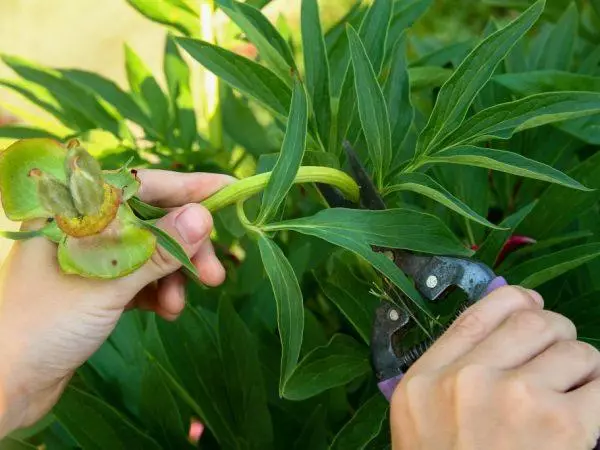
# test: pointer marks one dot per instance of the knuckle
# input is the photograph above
(470, 326)
(519, 296)
(532, 321)
(581, 350)
(471, 377)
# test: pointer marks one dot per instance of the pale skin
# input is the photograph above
(506, 375)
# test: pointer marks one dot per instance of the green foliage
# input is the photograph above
(476, 137)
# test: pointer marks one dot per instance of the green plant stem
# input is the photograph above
(244, 219)
(248, 187)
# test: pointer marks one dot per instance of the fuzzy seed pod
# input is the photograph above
(85, 181)
(54, 195)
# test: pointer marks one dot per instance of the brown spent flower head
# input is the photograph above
(54, 195)
(85, 181)
(88, 225)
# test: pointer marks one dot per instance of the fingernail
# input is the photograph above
(191, 224)
(537, 297)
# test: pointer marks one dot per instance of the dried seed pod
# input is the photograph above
(54, 195)
(85, 181)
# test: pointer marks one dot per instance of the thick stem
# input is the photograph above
(248, 187)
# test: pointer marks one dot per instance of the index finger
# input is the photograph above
(475, 324)
(169, 189)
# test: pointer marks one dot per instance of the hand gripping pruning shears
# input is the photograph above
(433, 277)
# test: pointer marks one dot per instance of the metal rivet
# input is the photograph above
(431, 281)
(393, 315)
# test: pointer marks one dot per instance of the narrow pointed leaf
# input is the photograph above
(146, 211)
(177, 74)
(491, 247)
(243, 377)
(11, 443)
(397, 94)
(428, 77)
(25, 132)
(250, 78)
(504, 120)
(405, 14)
(504, 161)
(394, 228)
(164, 12)
(540, 270)
(290, 309)
(316, 66)
(372, 108)
(562, 41)
(96, 424)
(373, 34)
(335, 364)
(544, 222)
(354, 301)
(458, 93)
(364, 426)
(110, 92)
(290, 157)
(147, 91)
(427, 186)
(271, 46)
(66, 93)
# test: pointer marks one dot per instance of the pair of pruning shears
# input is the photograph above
(433, 277)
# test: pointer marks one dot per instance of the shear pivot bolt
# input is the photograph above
(431, 281)
(393, 315)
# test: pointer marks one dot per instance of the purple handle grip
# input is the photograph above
(387, 387)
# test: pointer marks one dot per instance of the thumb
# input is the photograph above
(190, 226)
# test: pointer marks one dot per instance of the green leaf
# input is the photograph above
(166, 13)
(373, 34)
(290, 157)
(428, 77)
(271, 46)
(544, 222)
(364, 426)
(562, 41)
(68, 94)
(503, 161)
(243, 377)
(504, 120)
(397, 94)
(110, 92)
(10, 443)
(146, 211)
(371, 108)
(160, 410)
(405, 14)
(25, 132)
(95, 424)
(290, 310)
(458, 93)
(177, 74)
(391, 228)
(147, 91)
(530, 83)
(335, 364)
(192, 347)
(316, 67)
(175, 250)
(540, 270)
(25, 235)
(491, 247)
(427, 186)
(248, 77)
(314, 432)
(354, 300)
(449, 54)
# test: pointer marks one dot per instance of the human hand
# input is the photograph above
(506, 375)
(51, 323)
